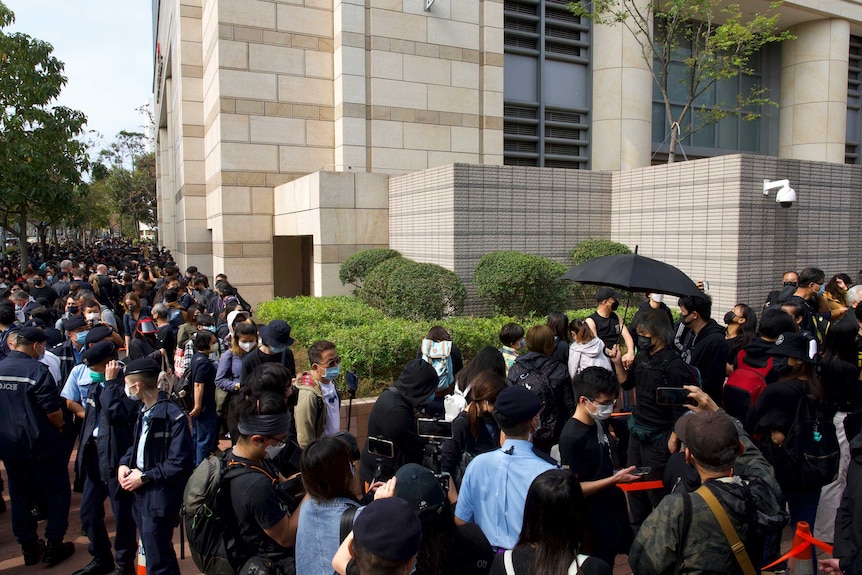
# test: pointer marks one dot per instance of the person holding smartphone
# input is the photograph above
(652, 440)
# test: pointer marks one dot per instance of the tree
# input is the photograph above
(710, 39)
(41, 157)
(127, 172)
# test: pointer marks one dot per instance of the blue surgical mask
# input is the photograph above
(211, 328)
(49, 278)
(333, 372)
(82, 337)
(822, 289)
(275, 349)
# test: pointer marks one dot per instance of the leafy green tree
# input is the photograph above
(41, 155)
(128, 173)
(711, 39)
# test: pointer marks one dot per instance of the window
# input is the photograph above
(546, 85)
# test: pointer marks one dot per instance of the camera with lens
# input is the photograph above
(435, 432)
(290, 492)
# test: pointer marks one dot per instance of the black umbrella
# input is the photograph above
(633, 272)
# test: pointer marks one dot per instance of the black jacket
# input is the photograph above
(168, 458)
(393, 418)
(848, 528)
(107, 403)
(553, 417)
(463, 442)
(648, 372)
(707, 351)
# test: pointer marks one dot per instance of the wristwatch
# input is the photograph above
(144, 479)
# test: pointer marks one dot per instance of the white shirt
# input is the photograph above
(333, 408)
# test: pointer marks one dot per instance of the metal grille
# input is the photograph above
(534, 134)
(854, 103)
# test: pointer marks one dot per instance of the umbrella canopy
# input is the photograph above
(633, 272)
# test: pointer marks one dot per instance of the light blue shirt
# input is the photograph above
(494, 490)
(142, 443)
(317, 534)
(77, 384)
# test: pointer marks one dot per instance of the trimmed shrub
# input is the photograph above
(424, 291)
(356, 268)
(310, 317)
(419, 291)
(519, 284)
(376, 288)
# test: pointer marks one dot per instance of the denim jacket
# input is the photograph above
(317, 536)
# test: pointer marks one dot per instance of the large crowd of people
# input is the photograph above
(522, 459)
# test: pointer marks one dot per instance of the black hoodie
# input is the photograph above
(393, 418)
(709, 354)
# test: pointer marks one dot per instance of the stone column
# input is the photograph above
(621, 130)
(813, 106)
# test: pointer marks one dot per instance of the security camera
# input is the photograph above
(785, 195)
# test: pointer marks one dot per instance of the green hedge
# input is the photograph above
(376, 346)
(356, 268)
(411, 290)
(586, 250)
(516, 283)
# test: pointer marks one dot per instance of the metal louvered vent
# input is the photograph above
(566, 117)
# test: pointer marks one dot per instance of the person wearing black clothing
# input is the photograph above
(276, 340)
(204, 415)
(848, 528)
(608, 326)
(704, 345)
(654, 301)
(106, 430)
(585, 451)
(392, 418)
(32, 449)
(789, 281)
(474, 430)
(808, 299)
(839, 376)
(143, 342)
(773, 322)
(651, 425)
(156, 466)
(537, 365)
(559, 322)
(263, 525)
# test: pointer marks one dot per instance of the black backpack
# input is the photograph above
(183, 392)
(808, 458)
(207, 518)
(811, 445)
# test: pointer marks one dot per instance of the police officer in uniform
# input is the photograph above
(105, 438)
(157, 465)
(32, 450)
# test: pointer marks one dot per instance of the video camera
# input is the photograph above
(435, 432)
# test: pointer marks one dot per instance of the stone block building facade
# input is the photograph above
(293, 133)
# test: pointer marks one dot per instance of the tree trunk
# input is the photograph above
(671, 154)
(24, 249)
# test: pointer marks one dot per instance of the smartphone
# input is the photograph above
(673, 396)
(352, 381)
(434, 428)
(381, 447)
(640, 471)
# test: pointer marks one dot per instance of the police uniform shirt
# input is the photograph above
(142, 443)
(77, 384)
(494, 490)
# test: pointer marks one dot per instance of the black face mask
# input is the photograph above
(789, 284)
(645, 343)
(729, 317)
(780, 366)
(615, 305)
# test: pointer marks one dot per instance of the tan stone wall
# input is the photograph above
(344, 212)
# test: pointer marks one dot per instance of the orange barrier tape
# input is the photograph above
(641, 485)
(803, 533)
(621, 414)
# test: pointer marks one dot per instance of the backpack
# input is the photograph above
(811, 445)
(439, 355)
(207, 518)
(744, 386)
(539, 382)
(456, 402)
(183, 393)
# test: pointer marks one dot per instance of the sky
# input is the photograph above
(107, 48)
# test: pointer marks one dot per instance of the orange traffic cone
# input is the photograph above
(142, 559)
(803, 562)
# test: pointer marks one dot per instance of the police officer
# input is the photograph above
(156, 466)
(31, 448)
(105, 437)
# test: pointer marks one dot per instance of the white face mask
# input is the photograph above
(130, 395)
(92, 316)
(247, 346)
(273, 450)
(602, 411)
